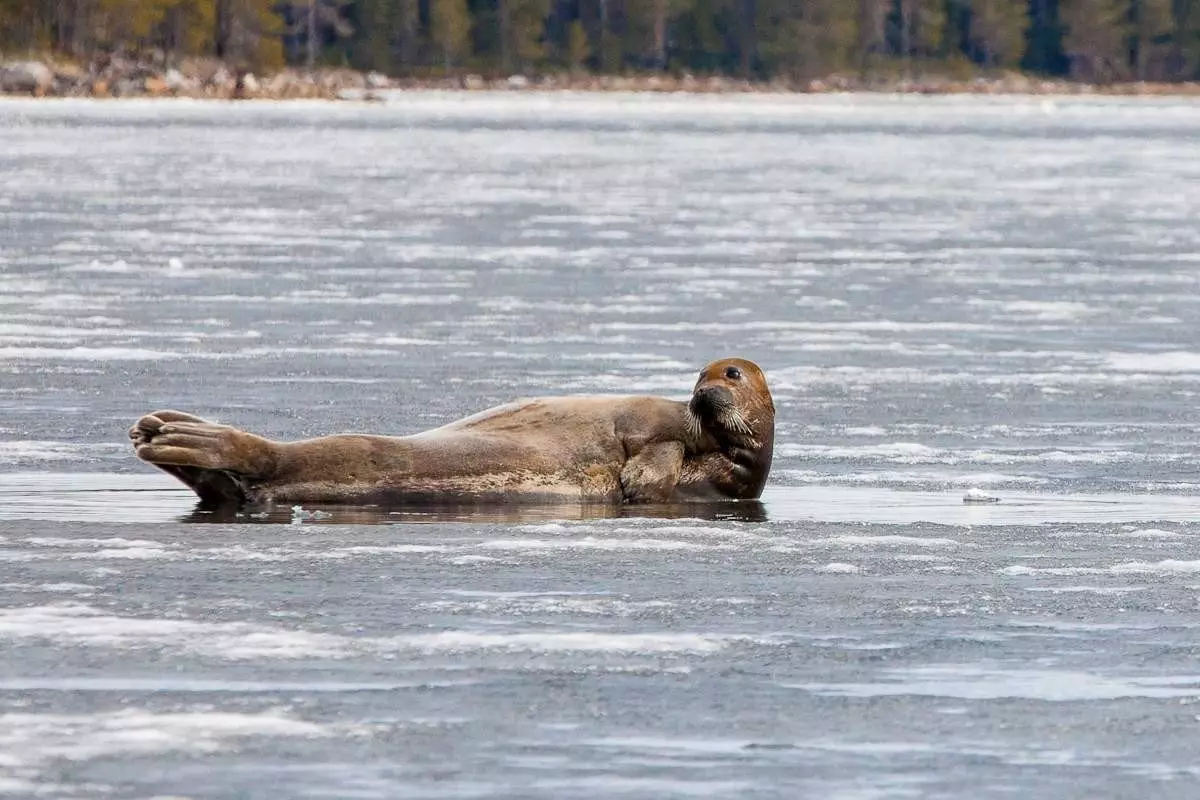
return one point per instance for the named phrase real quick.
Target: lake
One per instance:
(946, 294)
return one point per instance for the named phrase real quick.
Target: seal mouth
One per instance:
(716, 407)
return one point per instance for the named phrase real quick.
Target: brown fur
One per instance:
(634, 449)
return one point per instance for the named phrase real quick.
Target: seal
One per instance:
(590, 449)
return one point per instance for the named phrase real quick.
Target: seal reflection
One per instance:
(726, 511)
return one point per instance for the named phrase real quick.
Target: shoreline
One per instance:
(207, 79)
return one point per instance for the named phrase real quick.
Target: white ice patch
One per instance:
(32, 452)
(970, 682)
(1049, 310)
(1178, 361)
(31, 743)
(913, 453)
(589, 642)
(86, 354)
(1163, 568)
(1149, 533)
(551, 604)
(906, 478)
(78, 624)
(865, 430)
(838, 568)
(1115, 591)
(594, 543)
(858, 540)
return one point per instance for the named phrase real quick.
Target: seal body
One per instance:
(600, 449)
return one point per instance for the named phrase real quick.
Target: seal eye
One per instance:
(733, 373)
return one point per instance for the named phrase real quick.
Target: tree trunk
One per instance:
(221, 28)
(660, 34)
(749, 35)
(408, 26)
(503, 10)
(311, 41)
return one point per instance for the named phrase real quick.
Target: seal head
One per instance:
(732, 412)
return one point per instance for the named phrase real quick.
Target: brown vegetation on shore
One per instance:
(208, 78)
(326, 48)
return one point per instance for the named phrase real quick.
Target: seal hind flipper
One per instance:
(180, 444)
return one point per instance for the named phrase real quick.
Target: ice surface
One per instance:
(946, 293)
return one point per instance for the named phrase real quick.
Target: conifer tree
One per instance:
(870, 27)
(998, 30)
(522, 28)
(577, 46)
(1187, 38)
(807, 40)
(1095, 40)
(528, 29)
(450, 27)
(918, 27)
(1153, 25)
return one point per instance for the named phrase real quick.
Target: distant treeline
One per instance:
(1091, 40)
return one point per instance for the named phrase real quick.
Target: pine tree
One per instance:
(920, 25)
(661, 10)
(407, 33)
(450, 26)
(1187, 38)
(702, 44)
(1095, 40)
(744, 13)
(806, 40)
(872, 15)
(248, 33)
(998, 30)
(1154, 25)
(522, 32)
(528, 29)
(643, 27)
(577, 46)
(372, 48)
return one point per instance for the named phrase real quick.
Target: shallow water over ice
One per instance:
(946, 293)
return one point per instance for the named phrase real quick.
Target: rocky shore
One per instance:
(212, 79)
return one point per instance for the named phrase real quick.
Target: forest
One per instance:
(1096, 41)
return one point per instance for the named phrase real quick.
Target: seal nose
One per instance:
(710, 399)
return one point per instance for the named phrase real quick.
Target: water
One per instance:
(946, 293)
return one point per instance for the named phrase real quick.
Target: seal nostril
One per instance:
(711, 399)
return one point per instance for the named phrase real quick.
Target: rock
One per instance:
(474, 82)
(517, 82)
(129, 87)
(30, 77)
(249, 83)
(175, 81)
(155, 86)
(377, 80)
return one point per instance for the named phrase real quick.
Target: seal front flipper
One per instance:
(217, 462)
(652, 475)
